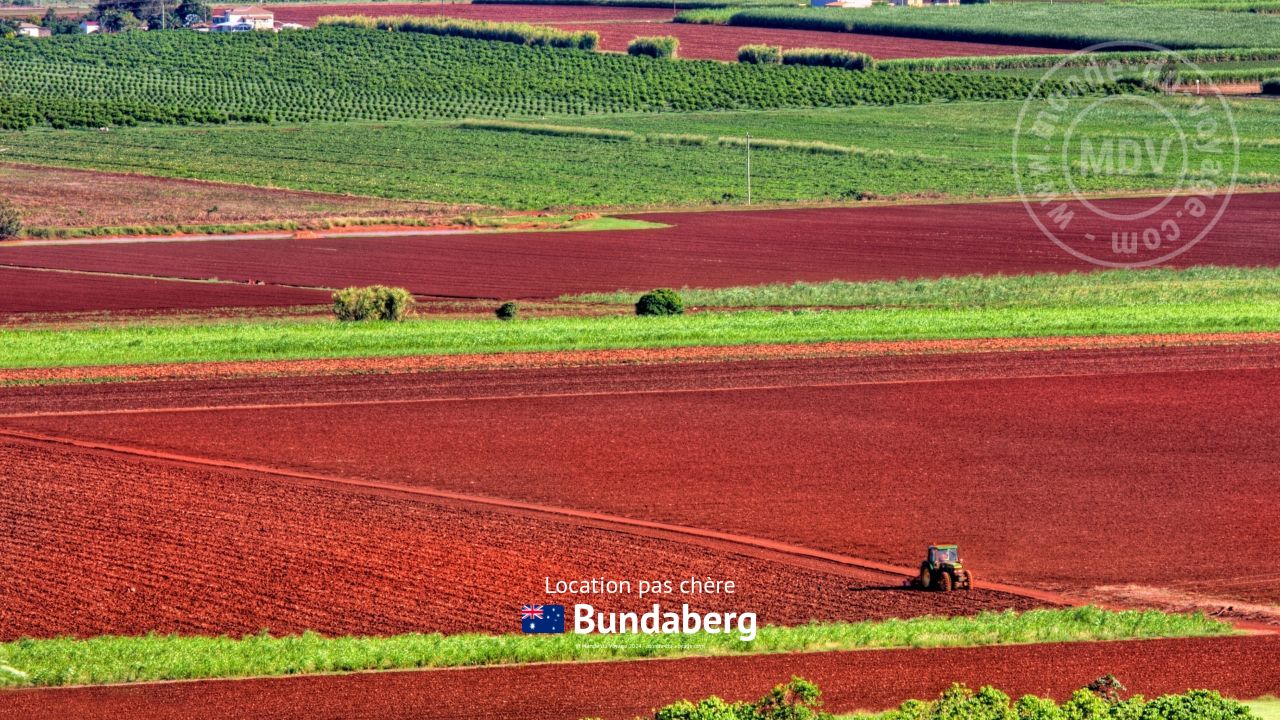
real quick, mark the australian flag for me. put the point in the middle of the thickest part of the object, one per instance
(542, 618)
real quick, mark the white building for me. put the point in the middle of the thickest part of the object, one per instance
(234, 19)
(88, 27)
(26, 29)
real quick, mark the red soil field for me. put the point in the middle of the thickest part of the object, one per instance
(101, 543)
(721, 42)
(32, 291)
(708, 249)
(1055, 481)
(540, 14)
(1245, 667)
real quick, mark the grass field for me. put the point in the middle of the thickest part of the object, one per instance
(295, 339)
(1043, 24)
(1108, 287)
(100, 660)
(947, 149)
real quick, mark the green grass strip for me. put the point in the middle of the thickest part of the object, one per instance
(1110, 287)
(292, 339)
(110, 659)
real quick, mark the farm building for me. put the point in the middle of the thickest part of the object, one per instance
(88, 27)
(250, 18)
(26, 29)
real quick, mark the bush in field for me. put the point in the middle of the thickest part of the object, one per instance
(795, 700)
(760, 54)
(662, 301)
(10, 220)
(507, 311)
(376, 302)
(1271, 87)
(824, 57)
(660, 46)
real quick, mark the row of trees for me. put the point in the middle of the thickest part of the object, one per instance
(123, 15)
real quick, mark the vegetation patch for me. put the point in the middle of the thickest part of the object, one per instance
(760, 54)
(376, 302)
(519, 33)
(658, 46)
(1106, 287)
(112, 659)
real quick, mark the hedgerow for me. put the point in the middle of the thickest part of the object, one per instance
(521, 33)
(1062, 26)
(824, 57)
(659, 46)
(342, 73)
(760, 54)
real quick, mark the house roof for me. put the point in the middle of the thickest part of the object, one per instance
(251, 12)
(27, 25)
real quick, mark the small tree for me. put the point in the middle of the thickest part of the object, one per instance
(1271, 87)
(662, 46)
(10, 220)
(507, 311)
(662, 301)
(376, 302)
(114, 21)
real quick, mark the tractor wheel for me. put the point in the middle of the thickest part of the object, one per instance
(965, 580)
(926, 577)
(944, 581)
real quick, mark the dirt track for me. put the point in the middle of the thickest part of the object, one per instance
(1242, 666)
(701, 249)
(844, 455)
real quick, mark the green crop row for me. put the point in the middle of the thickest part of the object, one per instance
(340, 73)
(69, 661)
(1047, 25)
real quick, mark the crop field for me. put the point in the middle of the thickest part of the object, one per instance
(183, 78)
(699, 250)
(717, 42)
(959, 150)
(1241, 666)
(1044, 24)
(249, 552)
(1064, 441)
(65, 198)
(304, 14)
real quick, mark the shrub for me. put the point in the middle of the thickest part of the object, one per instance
(376, 302)
(760, 54)
(520, 33)
(660, 46)
(828, 58)
(10, 220)
(662, 301)
(1271, 87)
(507, 311)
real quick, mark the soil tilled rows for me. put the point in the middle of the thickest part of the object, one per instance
(1057, 482)
(701, 249)
(721, 42)
(34, 291)
(308, 14)
(104, 544)
(1240, 666)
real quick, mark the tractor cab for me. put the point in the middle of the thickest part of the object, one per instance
(942, 570)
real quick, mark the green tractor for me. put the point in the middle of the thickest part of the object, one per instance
(942, 570)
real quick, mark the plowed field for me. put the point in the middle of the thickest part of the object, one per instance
(32, 291)
(701, 249)
(721, 42)
(1242, 666)
(103, 544)
(1109, 473)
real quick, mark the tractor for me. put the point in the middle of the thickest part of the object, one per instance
(942, 570)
